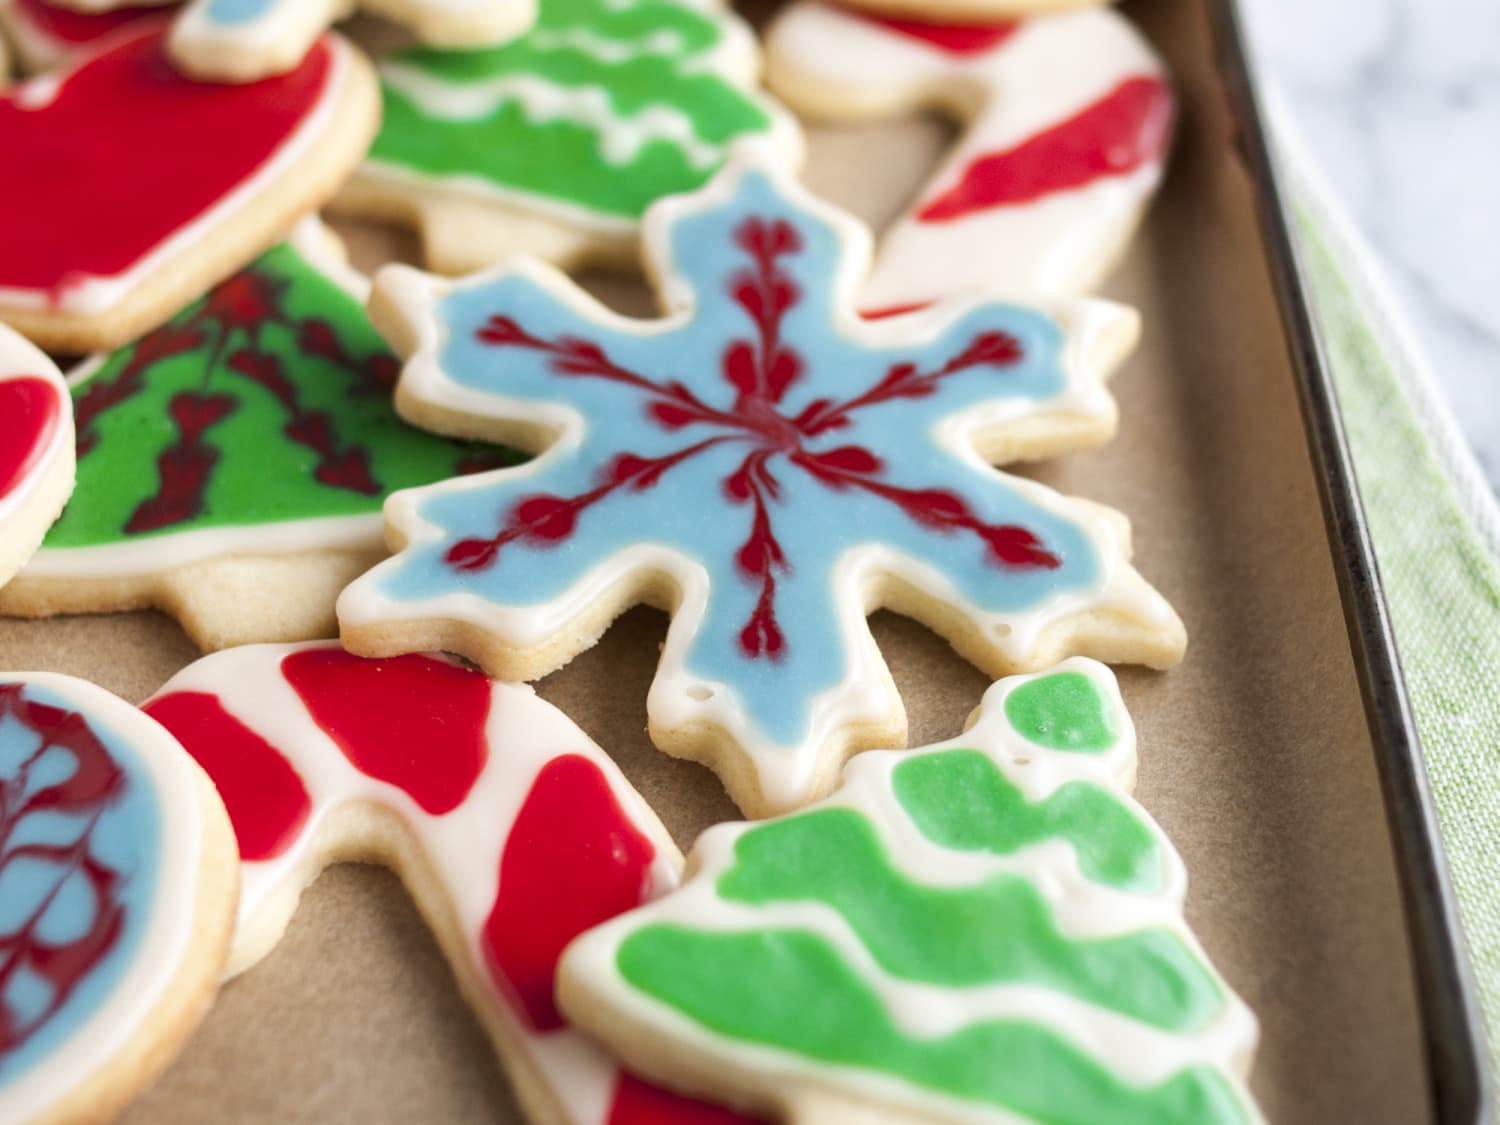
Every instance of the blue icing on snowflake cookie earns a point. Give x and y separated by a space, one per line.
103 823
767 465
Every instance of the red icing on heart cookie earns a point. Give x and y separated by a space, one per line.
123 153
30 413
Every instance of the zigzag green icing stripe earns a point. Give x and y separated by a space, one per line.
266 402
516 122
790 990
961 800
998 931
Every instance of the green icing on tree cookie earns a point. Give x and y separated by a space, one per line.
603 105
1000 930
791 990
961 800
1063 711
266 402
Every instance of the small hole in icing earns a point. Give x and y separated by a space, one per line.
700 693
1023 761
1000 630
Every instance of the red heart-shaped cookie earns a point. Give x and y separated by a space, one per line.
130 188
31 413
36 449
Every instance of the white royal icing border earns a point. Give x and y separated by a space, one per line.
164 943
463 846
1135 1051
677 699
1049 69
93 295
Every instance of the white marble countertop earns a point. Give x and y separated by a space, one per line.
1400 101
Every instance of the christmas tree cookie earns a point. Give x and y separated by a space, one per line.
232 464
555 143
766 465
986 930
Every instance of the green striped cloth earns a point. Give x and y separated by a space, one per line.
1436 531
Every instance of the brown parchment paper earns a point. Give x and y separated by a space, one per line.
1253 754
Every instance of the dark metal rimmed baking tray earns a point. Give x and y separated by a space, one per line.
1452 1029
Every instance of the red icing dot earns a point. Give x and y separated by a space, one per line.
640 1103
1119 133
414 722
30 412
572 861
267 802
127 152
76 28
968 39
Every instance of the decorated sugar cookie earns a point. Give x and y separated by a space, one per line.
512 831
36 449
117 892
986 930
766 465
46 35
556 143
233 463
142 188
246 40
1067 123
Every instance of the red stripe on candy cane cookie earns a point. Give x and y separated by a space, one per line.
1068 122
531 832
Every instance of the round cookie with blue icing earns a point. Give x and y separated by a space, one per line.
118 879
556 143
988 930
766 465
247 40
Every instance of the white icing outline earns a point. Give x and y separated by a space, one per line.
1049 69
677 699
1131 1049
164 942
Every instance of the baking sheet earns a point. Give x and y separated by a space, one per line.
1254 753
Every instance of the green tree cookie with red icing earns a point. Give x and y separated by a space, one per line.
765 464
986 930
233 463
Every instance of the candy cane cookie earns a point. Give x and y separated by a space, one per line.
1067 123
117 888
36 449
984 931
511 830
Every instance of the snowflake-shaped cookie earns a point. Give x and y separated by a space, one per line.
765 465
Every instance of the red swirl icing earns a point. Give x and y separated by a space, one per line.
30 414
955 39
126 152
